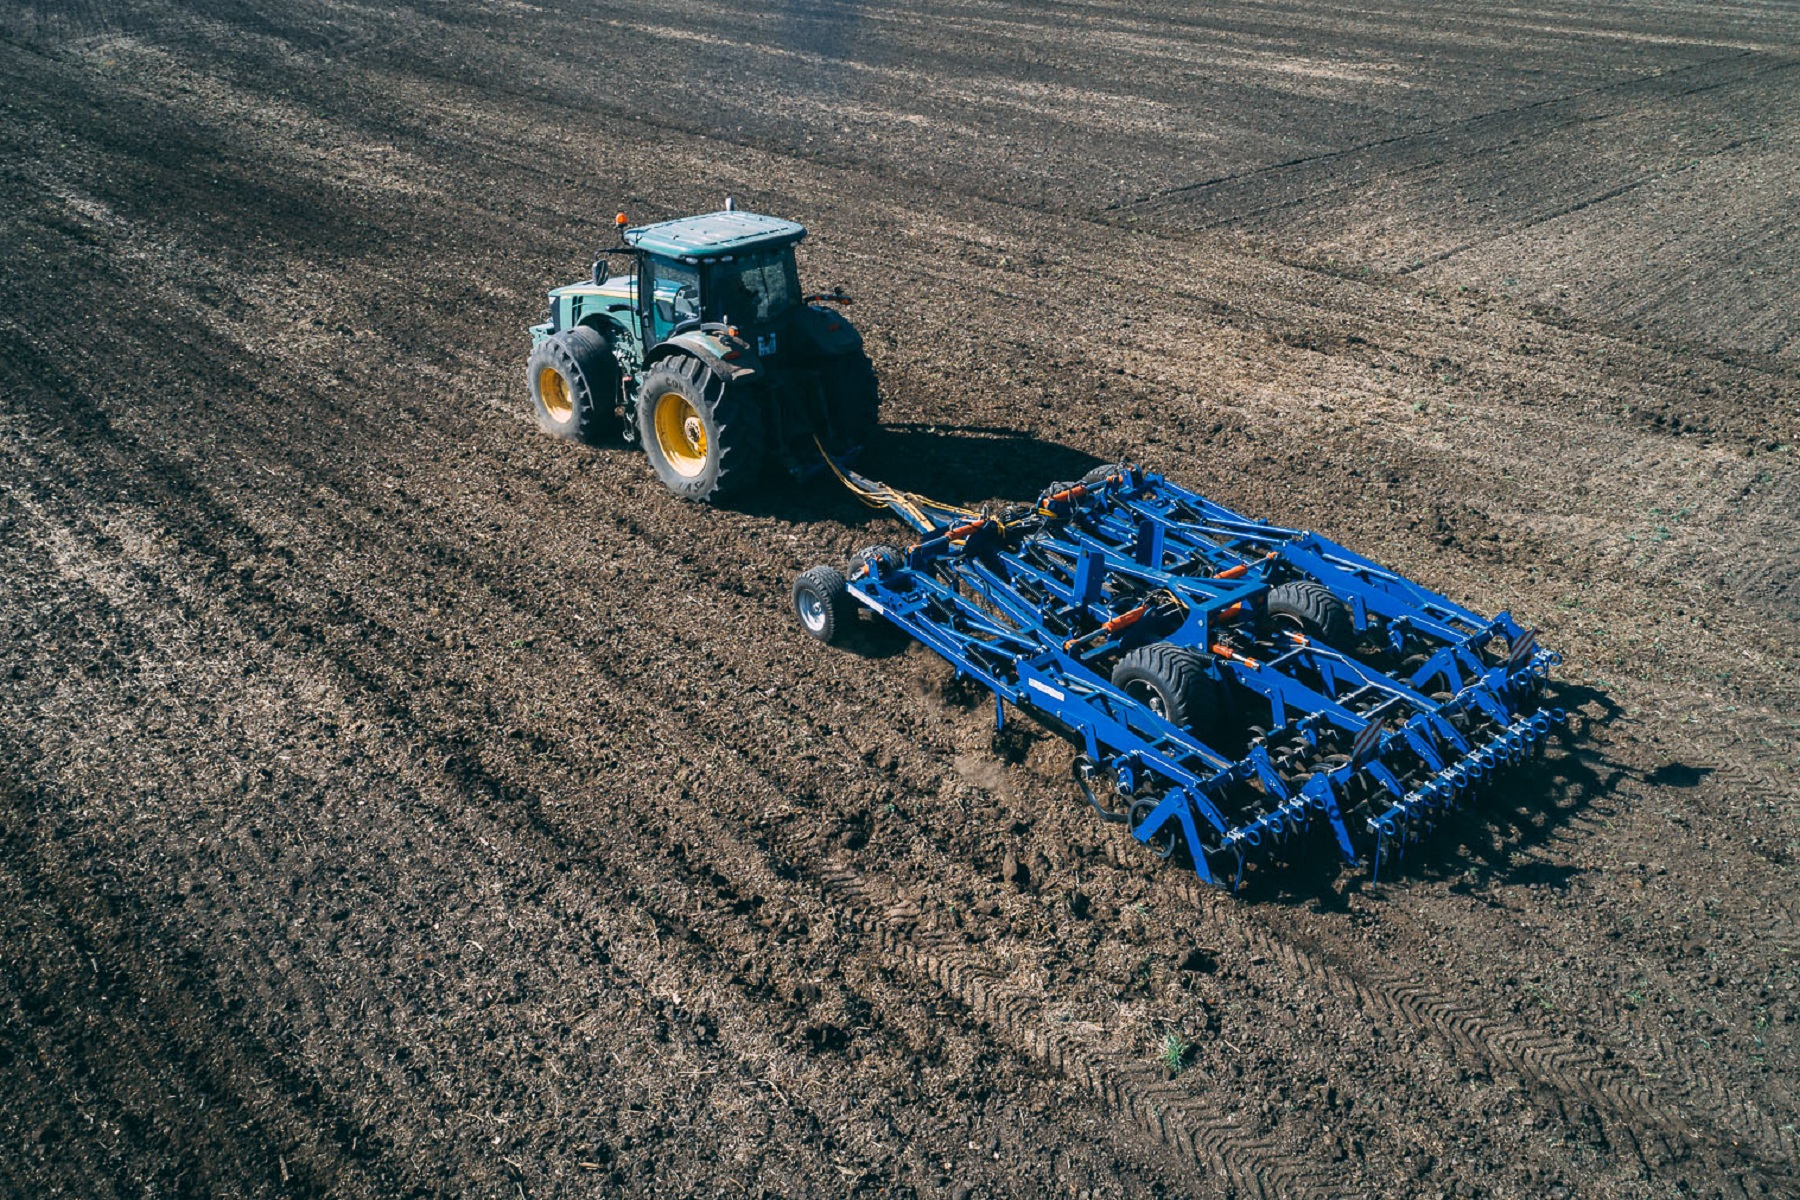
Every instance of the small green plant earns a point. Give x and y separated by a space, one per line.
1173 1053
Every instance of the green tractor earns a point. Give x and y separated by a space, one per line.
709 352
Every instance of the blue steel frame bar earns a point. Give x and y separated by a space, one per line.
1035 602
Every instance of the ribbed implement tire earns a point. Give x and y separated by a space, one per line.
823 604
891 556
1170 678
1312 607
704 437
574 381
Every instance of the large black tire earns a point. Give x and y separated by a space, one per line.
889 556
1172 680
703 437
823 604
852 398
1101 474
574 382
1312 608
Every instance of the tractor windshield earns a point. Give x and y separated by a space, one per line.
753 289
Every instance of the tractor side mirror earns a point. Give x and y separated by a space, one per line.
599 271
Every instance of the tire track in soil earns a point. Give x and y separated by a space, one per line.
1779 1141
1480 129
1199 1130
1659 1129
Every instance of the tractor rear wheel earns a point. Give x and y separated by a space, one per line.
1309 607
1172 680
852 398
703 437
574 384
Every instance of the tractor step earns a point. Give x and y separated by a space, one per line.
1232 685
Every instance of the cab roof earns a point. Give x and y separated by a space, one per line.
714 234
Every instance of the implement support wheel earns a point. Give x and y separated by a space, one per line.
823 604
1173 681
1311 609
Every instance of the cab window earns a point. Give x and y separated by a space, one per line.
752 289
675 294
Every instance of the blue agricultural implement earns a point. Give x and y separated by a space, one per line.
1231 685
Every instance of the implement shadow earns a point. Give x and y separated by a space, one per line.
1479 846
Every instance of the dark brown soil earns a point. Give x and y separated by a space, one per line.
395 802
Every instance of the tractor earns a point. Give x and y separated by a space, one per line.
709 354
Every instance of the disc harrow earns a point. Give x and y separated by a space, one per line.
1232 685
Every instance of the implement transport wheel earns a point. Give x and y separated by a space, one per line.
574 384
705 441
823 604
1171 680
852 398
1310 608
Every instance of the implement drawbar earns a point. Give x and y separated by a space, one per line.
1231 684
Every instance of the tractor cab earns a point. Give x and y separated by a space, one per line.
727 268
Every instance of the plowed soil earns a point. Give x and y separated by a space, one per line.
397 802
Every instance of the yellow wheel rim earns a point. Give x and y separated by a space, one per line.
680 434
554 390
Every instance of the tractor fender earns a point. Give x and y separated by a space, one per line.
709 349
605 325
826 331
619 337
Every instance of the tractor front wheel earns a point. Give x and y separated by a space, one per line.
705 441
574 383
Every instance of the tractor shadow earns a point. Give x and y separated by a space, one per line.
970 464
964 465
1482 846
